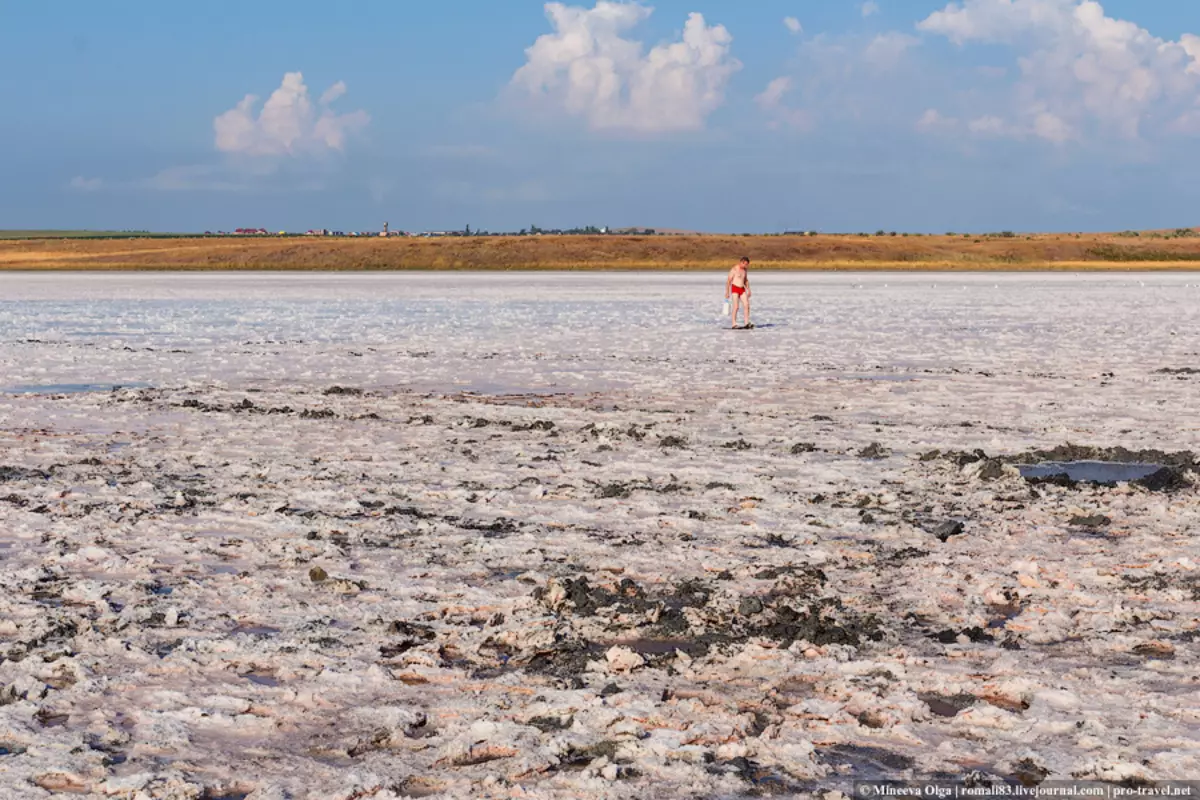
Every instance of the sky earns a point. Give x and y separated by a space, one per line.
713 115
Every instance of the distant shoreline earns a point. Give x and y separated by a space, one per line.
1148 252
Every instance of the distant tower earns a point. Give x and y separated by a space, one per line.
385 230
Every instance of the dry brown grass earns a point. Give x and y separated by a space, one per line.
1039 252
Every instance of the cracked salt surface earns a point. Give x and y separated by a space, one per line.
675 563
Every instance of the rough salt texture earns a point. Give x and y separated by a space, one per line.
644 557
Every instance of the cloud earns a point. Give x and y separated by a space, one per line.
1191 45
257 176
886 49
1052 127
869 8
933 120
1043 125
289 124
771 102
266 149
853 79
196 177
793 25
82 184
1079 69
773 94
587 69
1188 123
989 125
333 92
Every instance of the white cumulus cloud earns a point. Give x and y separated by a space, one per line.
289 122
587 68
1190 43
869 8
793 25
1078 67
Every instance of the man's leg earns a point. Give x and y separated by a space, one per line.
737 298
746 310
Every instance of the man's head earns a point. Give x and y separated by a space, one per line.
745 262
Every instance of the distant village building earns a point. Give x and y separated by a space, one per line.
251 231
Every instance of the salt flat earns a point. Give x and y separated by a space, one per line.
563 535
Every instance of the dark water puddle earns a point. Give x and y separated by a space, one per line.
1005 613
10 749
72 388
766 781
237 793
263 679
1101 472
51 719
256 630
947 705
864 762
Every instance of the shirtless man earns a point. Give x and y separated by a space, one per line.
738 283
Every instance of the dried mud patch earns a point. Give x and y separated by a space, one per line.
695 617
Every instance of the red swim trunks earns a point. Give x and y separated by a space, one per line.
738 289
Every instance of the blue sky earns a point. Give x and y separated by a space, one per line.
914 115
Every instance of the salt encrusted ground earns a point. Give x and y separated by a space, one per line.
646 557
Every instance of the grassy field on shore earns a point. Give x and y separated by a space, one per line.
1175 250
82 234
